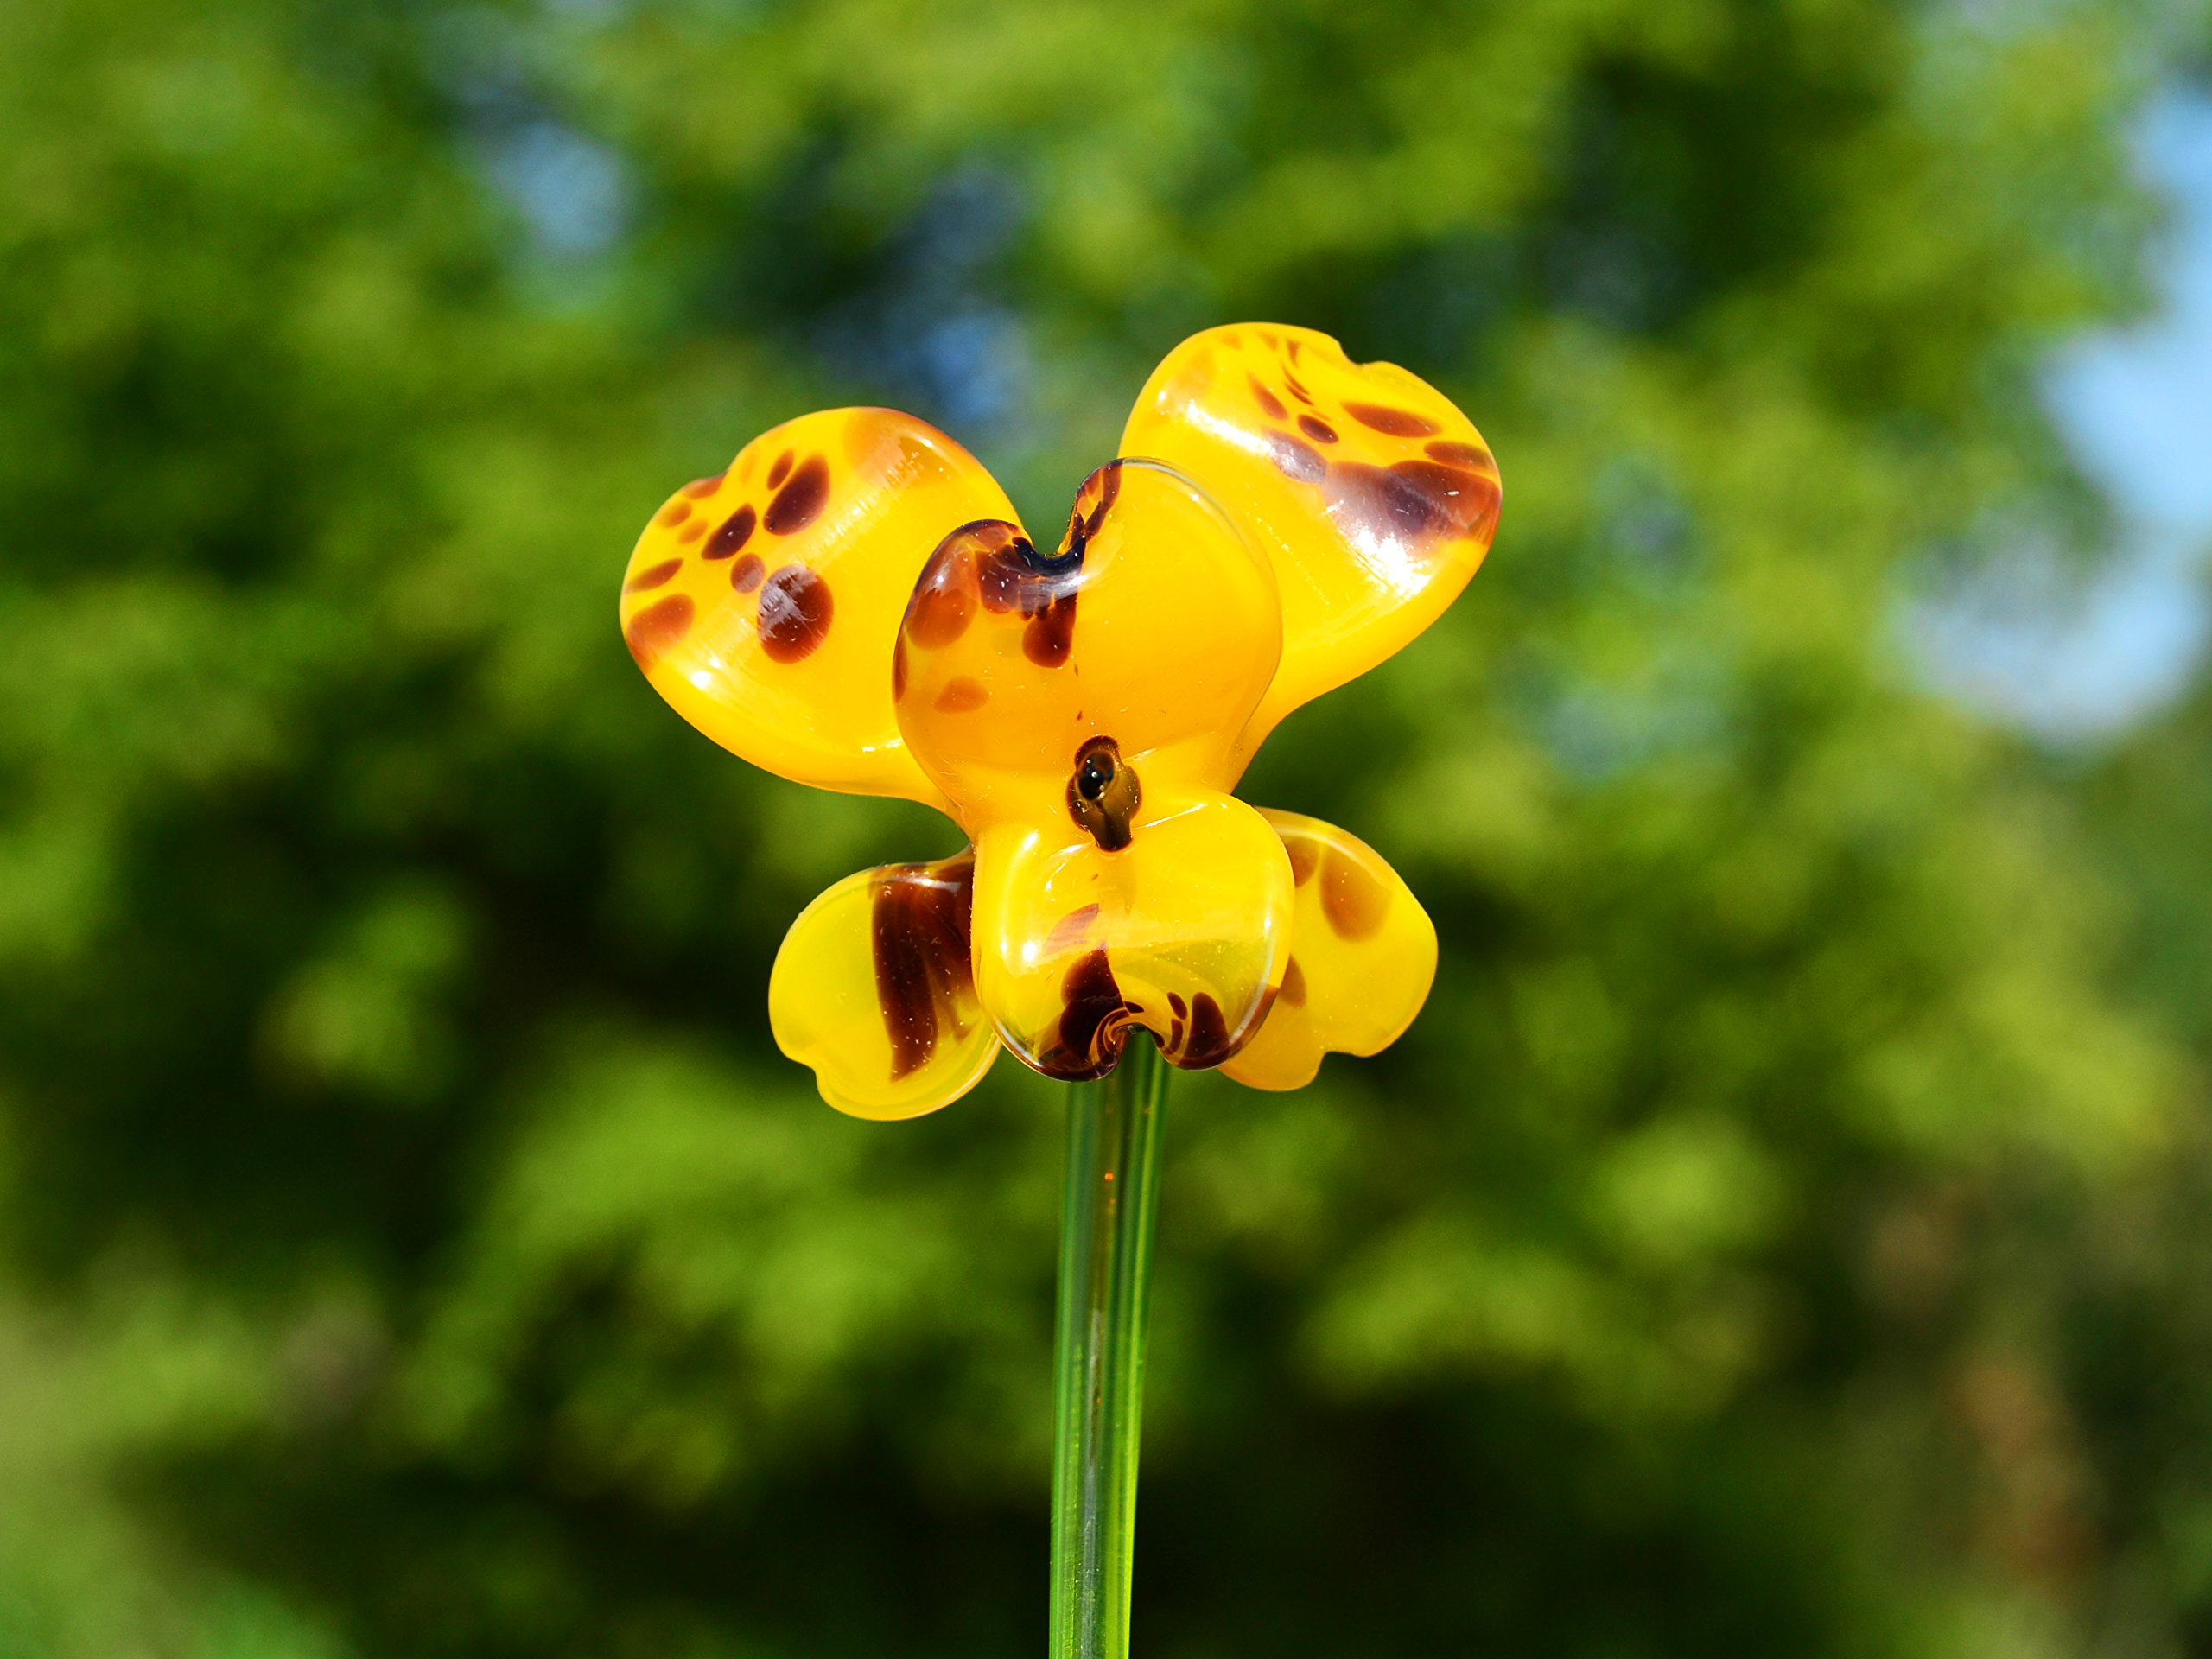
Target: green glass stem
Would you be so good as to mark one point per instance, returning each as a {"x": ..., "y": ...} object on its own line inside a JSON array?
[{"x": 1113, "y": 1187}]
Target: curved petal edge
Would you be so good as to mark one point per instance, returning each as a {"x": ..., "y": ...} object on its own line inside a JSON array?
[
  {"x": 872, "y": 989},
  {"x": 1362, "y": 956},
  {"x": 1184, "y": 931},
  {"x": 763, "y": 602},
  {"x": 1372, "y": 495}
]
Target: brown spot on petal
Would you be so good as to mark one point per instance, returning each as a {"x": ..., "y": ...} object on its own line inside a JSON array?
[
  {"x": 691, "y": 532},
  {"x": 1068, "y": 932},
  {"x": 673, "y": 514},
  {"x": 1317, "y": 428},
  {"x": 1050, "y": 633},
  {"x": 1293, "y": 984},
  {"x": 783, "y": 466},
  {"x": 1398, "y": 422},
  {"x": 1266, "y": 400},
  {"x": 799, "y": 502},
  {"x": 1352, "y": 898},
  {"x": 731, "y": 534},
  {"x": 898, "y": 669},
  {"x": 919, "y": 934},
  {"x": 1093, "y": 1018},
  {"x": 1472, "y": 456},
  {"x": 961, "y": 695},
  {"x": 1208, "y": 1044},
  {"x": 1411, "y": 500},
  {"x": 1296, "y": 459},
  {"x": 1296, "y": 389},
  {"x": 1291, "y": 347},
  {"x": 795, "y": 612},
  {"x": 944, "y": 598},
  {"x": 652, "y": 577},
  {"x": 659, "y": 625},
  {"x": 745, "y": 576},
  {"x": 1305, "y": 857},
  {"x": 703, "y": 487},
  {"x": 1177, "y": 1005}
]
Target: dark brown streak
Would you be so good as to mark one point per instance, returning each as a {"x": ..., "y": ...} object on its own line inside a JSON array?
[
  {"x": 1412, "y": 500},
  {"x": 1398, "y": 422},
  {"x": 1093, "y": 1024},
  {"x": 1016, "y": 577},
  {"x": 654, "y": 577},
  {"x": 1050, "y": 633},
  {"x": 919, "y": 933},
  {"x": 1208, "y": 1044},
  {"x": 1099, "y": 493}
]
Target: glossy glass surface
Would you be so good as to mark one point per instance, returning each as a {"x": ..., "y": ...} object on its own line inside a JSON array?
[
  {"x": 872, "y": 989},
  {"x": 1108, "y": 1205},
  {"x": 853, "y": 604},
  {"x": 1363, "y": 956},
  {"x": 763, "y": 602},
  {"x": 1372, "y": 495}
]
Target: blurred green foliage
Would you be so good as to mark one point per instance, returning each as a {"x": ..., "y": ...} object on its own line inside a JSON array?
[{"x": 1784, "y": 1232}]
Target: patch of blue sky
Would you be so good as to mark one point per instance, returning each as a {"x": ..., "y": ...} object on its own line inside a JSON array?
[
  {"x": 572, "y": 190},
  {"x": 2076, "y": 657}
]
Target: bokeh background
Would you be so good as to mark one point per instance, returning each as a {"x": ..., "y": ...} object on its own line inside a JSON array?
[{"x": 1788, "y": 1230}]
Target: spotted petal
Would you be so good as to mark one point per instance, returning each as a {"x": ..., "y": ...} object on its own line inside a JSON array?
[
  {"x": 1155, "y": 626},
  {"x": 1079, "y": 708},
  {"x": 763, "y": 602},
  {"x": 1184, "y": 931},
  {"x": 872, "y": 989},
  {"x": 1363, "y": 954},
  {"x": 1373, "y": 496}
]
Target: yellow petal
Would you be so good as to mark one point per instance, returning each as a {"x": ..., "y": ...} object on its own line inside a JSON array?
[
  {"x": 1363, "y": 954},
  {"x": 872, "y": 989},
  {"x": 764, "y": 602},
  {"x": 1184, "y": 931},
  {"x": 1079, "y": 710},
  {"x": 1374, "y": 496},
  {"x": 1155, "y": 625}
]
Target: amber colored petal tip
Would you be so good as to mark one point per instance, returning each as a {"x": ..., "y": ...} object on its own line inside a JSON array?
[{"x": 1362, "y": 956}]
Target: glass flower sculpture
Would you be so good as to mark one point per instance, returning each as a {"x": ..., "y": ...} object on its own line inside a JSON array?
[{"x": 853, "y": 604}]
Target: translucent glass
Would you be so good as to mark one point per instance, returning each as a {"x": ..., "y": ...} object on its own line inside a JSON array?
[{"x": 1106, "y": 1226}]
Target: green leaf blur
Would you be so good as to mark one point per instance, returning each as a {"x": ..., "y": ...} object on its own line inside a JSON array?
[{"x": 1782, "y": 1233}]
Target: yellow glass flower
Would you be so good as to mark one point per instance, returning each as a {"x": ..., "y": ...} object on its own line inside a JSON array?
[{"x": 853, "y": 604}]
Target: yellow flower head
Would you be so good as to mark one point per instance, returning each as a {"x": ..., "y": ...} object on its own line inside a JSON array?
[{"x": 853, "y": 604}]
